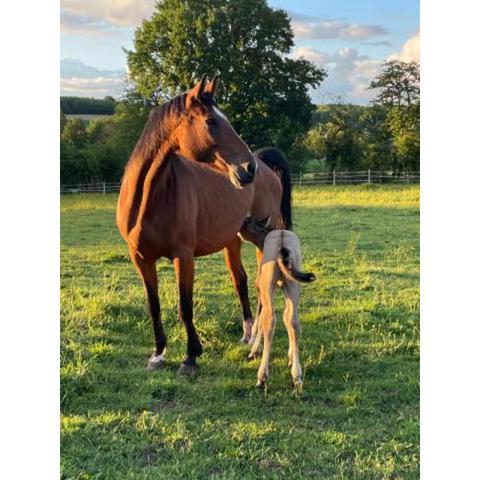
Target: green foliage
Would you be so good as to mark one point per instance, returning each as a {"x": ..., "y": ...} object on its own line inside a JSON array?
[
  {"x": 72, "y": 105},
  {"x": 264, "y": 93},
  {"x": 74, "y": 132},
  {"x": 398, "y": 82},
  {"x": 404, "y": 124},
  {"x": 63, "y": 121},
  {"x": 358, "y": 416},
  {"x": 99, "y": 151}
]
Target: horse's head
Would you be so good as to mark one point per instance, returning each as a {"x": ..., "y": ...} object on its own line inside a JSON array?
[{"x": 206, "y": 135}]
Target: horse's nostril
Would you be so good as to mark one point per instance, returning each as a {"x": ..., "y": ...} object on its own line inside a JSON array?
[{"x": 251, "y": 169}]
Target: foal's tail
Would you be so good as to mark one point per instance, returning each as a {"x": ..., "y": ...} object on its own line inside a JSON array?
[
  {"x": 276, "y": 161},
  {"x": 288, "y": 268}
]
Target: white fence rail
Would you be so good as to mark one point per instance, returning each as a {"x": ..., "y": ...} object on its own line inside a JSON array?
[{"x": 325, "y": 178}]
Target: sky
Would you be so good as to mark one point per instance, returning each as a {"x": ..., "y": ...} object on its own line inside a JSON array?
[{"x": 350, "y": 38}]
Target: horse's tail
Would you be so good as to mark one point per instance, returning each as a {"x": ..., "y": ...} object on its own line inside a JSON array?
[
  {"x": 290, "y": 270},
  {"x": 275, "y": 159}
]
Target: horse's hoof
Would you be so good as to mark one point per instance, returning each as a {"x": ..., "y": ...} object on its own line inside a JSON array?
[
  {"x": 188, "y": 369},
  {"x": 251, "y": 356},
  {"x": 247, "y": 331},
  {"x": 155, "y": 362}
]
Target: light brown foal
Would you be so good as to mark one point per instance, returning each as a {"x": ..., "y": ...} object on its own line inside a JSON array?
[{"x": 281, "y": 262}]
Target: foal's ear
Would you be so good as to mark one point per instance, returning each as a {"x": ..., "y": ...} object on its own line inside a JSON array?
[
  {"x": 195, "y": 92},
  {"x": 266, "y": 221},
  {"x": 211, "y": 86}
]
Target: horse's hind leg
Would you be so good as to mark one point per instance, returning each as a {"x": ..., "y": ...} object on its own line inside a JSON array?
[
  {"x": 240, "y": 283},
  {"x": 184, "y": 269},
  {"x": 148, "y": 272}
]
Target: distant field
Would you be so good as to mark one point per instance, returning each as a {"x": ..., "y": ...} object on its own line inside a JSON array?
[
  {"x": 358, "y": 417},
  {"x": 86, "y": 116}
]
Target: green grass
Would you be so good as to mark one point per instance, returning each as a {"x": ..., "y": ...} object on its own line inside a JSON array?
[{"x": 358, "y": 416}]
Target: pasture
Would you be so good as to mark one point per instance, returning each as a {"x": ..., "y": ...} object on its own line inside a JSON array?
[{"x": 358, "y": 416}]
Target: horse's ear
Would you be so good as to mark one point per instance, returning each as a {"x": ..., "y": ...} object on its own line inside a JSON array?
[
  {"x": 196, "y": 91},
  {"x": 212, "y": 86}
]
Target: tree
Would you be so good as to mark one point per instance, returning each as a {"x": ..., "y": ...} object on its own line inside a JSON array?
[
  {"x": 335, "y": 138},
  {"x": 74, "y": 132},
  {"x": 63, "y": 121},
  {"x": 264, "y": 94},
  {"x": 404, "y": 125},
  {"x": 399, "y": 84}
]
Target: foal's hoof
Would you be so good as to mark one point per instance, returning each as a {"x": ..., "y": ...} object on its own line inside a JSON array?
[
  {"x": 188, "y": 369},
  {"x": 251, "y": 356},
  {"x": 155, "y": 362},
  {"x": 297, "y": 385},
  {"x": 261, "y": 385}
]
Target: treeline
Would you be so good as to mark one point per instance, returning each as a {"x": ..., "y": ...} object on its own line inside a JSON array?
[
  {"x": 349, "y": 137},
  {"x": 94, "y": 106},
  {"x": 97, "y": 150}
]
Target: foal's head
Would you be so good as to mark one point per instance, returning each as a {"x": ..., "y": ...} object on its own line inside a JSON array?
[
  {"x": 205, "y": 135},
  {"x": 255, "y": 230}
]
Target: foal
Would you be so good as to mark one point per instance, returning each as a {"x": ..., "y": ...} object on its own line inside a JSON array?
[{"x": 281, "y": 263}]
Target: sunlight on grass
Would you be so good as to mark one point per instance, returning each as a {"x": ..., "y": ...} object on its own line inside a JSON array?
[{"x": 357, "y": 416}]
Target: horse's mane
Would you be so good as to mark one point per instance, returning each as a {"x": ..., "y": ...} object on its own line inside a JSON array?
[{"x": 160, "y": 123}]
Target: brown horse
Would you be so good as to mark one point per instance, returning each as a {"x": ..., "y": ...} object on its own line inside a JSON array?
[{"x": 180, "y": 209}]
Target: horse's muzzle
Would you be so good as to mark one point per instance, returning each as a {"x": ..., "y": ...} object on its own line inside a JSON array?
[{"x": 243, "y": 174}]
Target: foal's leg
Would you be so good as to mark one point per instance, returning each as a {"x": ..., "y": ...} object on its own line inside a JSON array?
[
  {"x": 256, "y": 330},
  {"x": 184, "y": 270},
  {"x": 148, "y": 273},
  {"x": 240, "y": 283},
  {"x": 268, "y": 327},
  {"x": 292, "y": 324}
]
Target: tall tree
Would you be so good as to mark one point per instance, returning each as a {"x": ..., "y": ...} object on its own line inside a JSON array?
[
  {"x": 265, "y": 93},
  {"x": 74, "y": 132},
  {"x": 398, "y": 84}
]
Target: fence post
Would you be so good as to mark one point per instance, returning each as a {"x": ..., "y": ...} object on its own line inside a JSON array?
[
  {"x": 333, "y": 177},
  {"x": 104, "y": 190},
  {"x": 300, "y": 179},
  {"x": 369, "y": 176}
]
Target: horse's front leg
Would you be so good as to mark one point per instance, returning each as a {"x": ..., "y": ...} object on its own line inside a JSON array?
[
  {"x": 184, "y": 269},
  {"x": 240, "y": 283}
]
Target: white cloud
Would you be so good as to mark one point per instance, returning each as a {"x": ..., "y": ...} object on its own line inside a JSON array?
[
  {"x": 349, "y": 73},
  {"x": 82, "y": 80},
  {"x": 312, "y": 54},
  {"x": 410, "y": 50},
  {"x": 103, "y": 17},
  {"x": 90, "y": 87},
  {"x": 305, "y": 26}
]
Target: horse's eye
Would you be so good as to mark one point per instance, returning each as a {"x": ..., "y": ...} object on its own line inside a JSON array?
[{"x": 211, "y": 122}]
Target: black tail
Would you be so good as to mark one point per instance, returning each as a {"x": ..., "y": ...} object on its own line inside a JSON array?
[
  {"x": 289, "y": 270},
  {"x": 275, "y": 159}
]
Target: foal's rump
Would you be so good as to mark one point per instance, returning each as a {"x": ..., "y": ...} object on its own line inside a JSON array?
[{"x": 287, "y": 266}]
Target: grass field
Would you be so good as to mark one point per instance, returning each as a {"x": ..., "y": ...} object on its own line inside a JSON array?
[{"x": 357, "y": 417}]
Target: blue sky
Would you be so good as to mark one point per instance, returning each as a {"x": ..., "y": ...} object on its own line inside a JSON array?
[{"x": 350, "y": 38}]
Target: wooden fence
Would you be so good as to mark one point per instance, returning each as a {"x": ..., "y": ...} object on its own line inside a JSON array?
[{"x": 324, "y": 178}]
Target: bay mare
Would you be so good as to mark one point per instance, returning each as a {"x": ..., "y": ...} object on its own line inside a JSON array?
[{"x": 187, "y": 188}]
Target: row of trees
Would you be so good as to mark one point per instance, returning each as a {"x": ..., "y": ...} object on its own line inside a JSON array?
[
  {"x": 382, "y": 136},
  {"x": 263, "y": 91},
  {"x": 95, "y": 106}
]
